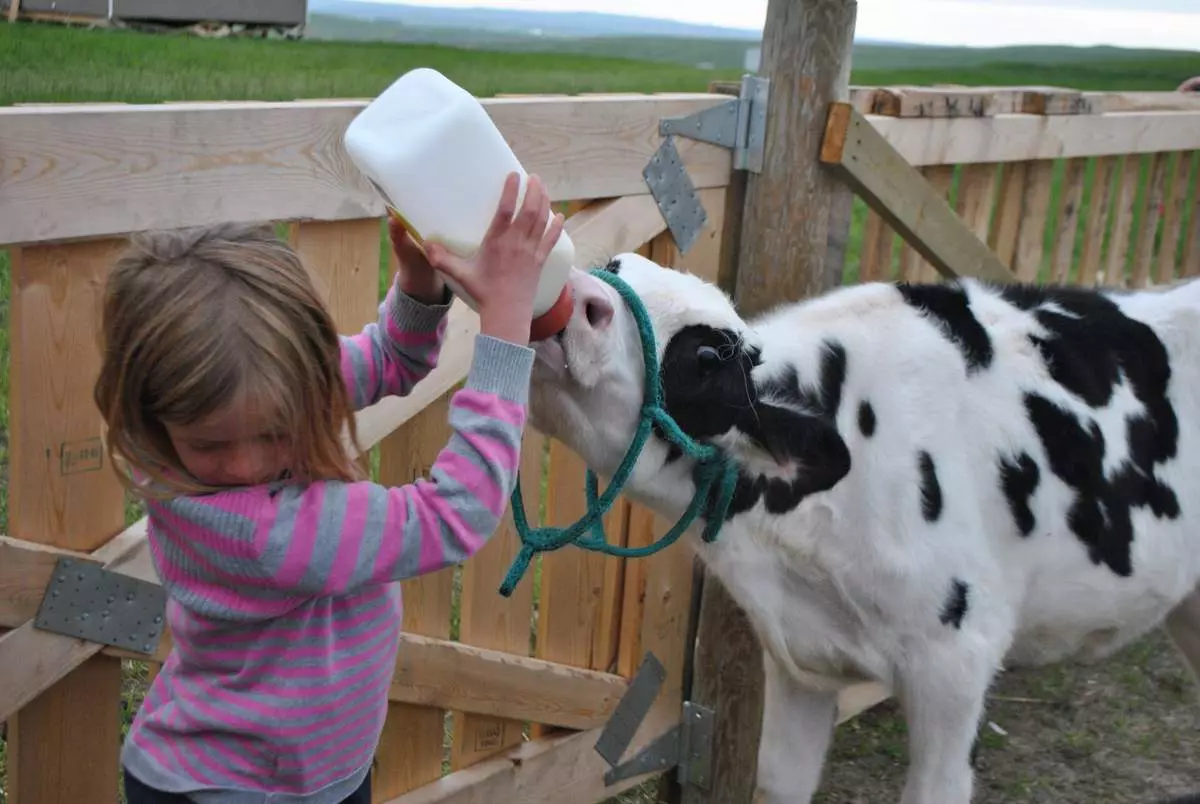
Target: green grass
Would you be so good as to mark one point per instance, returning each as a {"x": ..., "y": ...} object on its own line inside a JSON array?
[{"x": 52, "y": 64}]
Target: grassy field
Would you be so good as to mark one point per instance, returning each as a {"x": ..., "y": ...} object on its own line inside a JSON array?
[{"x": 1119, "y": 733}]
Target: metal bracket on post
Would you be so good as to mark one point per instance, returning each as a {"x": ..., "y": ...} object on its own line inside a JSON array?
[
  {"x": 687, "y": 746},
  {"x": 86, "y": 601},
  {"x": 739, "y": 124}
]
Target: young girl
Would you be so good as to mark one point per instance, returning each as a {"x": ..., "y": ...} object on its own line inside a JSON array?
[{"x": 226, "y": 389}]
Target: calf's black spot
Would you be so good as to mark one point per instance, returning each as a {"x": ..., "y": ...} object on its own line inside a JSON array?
[
  {"x": 931, "y": 490},
  {"x": 1019, "y": 479},
  {"x": 948, "y": 306},
  {"x": 955, "y": 606},
  {"x": 708, "y": 397},
  {"x": 1090, "y": 347},
  {"x": 866, "y": 419}
]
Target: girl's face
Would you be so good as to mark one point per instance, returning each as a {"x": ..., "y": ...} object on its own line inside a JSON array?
[{"x": 240, "y": 444}]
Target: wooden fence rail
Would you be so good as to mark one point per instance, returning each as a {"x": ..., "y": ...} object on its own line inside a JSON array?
[{"x": 492, "y": 699}]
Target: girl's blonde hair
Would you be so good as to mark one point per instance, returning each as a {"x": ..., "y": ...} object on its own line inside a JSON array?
[{"x": 196, "y": 318}]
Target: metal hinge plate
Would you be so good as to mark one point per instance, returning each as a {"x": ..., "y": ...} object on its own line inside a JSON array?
[
  {"x": 86, "y": 601},
  {"x": 739, "y": 124},
  {"x": 687, "y": 746}
]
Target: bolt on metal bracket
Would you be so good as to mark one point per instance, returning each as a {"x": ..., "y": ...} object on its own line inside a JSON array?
[
  {"x": 687, "y": 746},
  {"x": 86, "y": 601}
]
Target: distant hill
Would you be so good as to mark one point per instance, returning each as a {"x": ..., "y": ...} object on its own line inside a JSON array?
[
  {"x": 712, "y": 48},
  {"x": 531, "y": 23}
]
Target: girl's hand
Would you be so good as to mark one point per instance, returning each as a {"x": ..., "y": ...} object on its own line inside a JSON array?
[
  {"x": 417, "y": 278},
  {"x": 503, "y": 275}
]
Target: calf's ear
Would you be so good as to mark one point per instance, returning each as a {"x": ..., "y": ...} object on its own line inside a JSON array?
[{"x": 804, "y": 445}]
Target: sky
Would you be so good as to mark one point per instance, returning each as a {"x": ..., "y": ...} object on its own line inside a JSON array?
[{"x": 1172, "y": 24}]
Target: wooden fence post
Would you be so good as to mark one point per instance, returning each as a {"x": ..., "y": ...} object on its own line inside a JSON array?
[{"x": 783, "y": 254}]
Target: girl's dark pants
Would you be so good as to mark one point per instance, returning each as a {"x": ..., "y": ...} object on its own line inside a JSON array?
[{"x": 138, "y": 793}]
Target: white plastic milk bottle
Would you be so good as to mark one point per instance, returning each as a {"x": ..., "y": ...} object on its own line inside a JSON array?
[{"x": 433, "y": 153}]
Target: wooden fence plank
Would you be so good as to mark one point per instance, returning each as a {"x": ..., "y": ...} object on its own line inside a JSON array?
[
  {"x": 1024, "y": 137},
  {"x": 1147, "y": 234},
  {"x": 1173, "y": 218},
  {"x": 1118, "y": 250},
  {"x": 976, "y": 200},
  {"x": 1191, "y": 245},
  {"x": 914, "y": 267},
  {"x": 1007, "y": 224},
  {"x": 876, "y": 232},
  {"x": 90, "y": 171},
  {"x": 555, "y": 769},
  {"x": 1031, "y": 231},
  {"x": 62, "y": 492},
  {"x": 1099, "y": 205},
  {"x": 1067, "y": 221}
]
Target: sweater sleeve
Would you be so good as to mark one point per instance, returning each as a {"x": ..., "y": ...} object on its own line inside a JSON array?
[
  {"x": 395, "y": 352},
  {"x": 330, "y": 538}
]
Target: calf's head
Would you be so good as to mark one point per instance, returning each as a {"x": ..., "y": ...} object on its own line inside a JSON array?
[{"x": 721, "y": 385}]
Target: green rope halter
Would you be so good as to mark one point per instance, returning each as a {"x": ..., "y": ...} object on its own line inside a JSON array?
[{"x": 715, "y": 474}]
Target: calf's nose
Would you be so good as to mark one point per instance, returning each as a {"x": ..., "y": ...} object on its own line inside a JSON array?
[{"x": 593, "y": 305}]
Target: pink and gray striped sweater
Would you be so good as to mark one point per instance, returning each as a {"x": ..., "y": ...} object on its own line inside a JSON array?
[{"x": 283, "y": 601}]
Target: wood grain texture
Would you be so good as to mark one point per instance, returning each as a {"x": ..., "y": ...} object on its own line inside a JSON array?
[
  {"x": 1118, "y": 250},
  {"x": 1100, "y": 201},
  {"x": 1147, "y": 233},
  {"x": 976, "y": 199},
  {"x": 1173, "y": 218},
  {"x": 1022, "y": 137},
  {"x": 90, "y": 170},
  {"x": 63, "y": 747},
  {"x": 1031, "y": 234},
  {"x": 62, "y": 492},
  {"x": 343, "y": 259},
  {"x": 914, "y": 267},
  {"x": 785, "y": 227},
  {"x": 501, "y": 684},
  {"x": 25, "y": 569},
  {"x": 548, "y": 771},
  {"x": 1191, "y": 242},
  {"x": 1067, "y": 217},
  {"x": 1006, "y": 226}
]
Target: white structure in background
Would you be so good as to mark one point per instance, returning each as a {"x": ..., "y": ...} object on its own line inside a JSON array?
[{"x": 753, "y": 57}]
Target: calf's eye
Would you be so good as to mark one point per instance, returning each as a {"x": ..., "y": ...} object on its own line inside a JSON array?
[{"x": 708, "y": 357}]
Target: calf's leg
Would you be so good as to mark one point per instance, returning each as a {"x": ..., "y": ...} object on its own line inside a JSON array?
[
  {"x": 941, "y": 689},
  {"x": 797, "y": 728},
  {"x": 1183, "y": 625}
]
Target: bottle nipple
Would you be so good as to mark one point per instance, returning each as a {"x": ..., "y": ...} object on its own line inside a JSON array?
[{"x": 554, "y": 320}]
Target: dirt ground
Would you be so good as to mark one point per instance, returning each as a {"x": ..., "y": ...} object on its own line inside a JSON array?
[{"x": 1126, "y": 731}]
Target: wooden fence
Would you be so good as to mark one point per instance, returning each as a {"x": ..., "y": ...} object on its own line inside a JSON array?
[{"x": 493, "y": 699}]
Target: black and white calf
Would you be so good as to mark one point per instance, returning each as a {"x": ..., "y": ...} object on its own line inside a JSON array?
[{"x": 936, "y": 482}]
